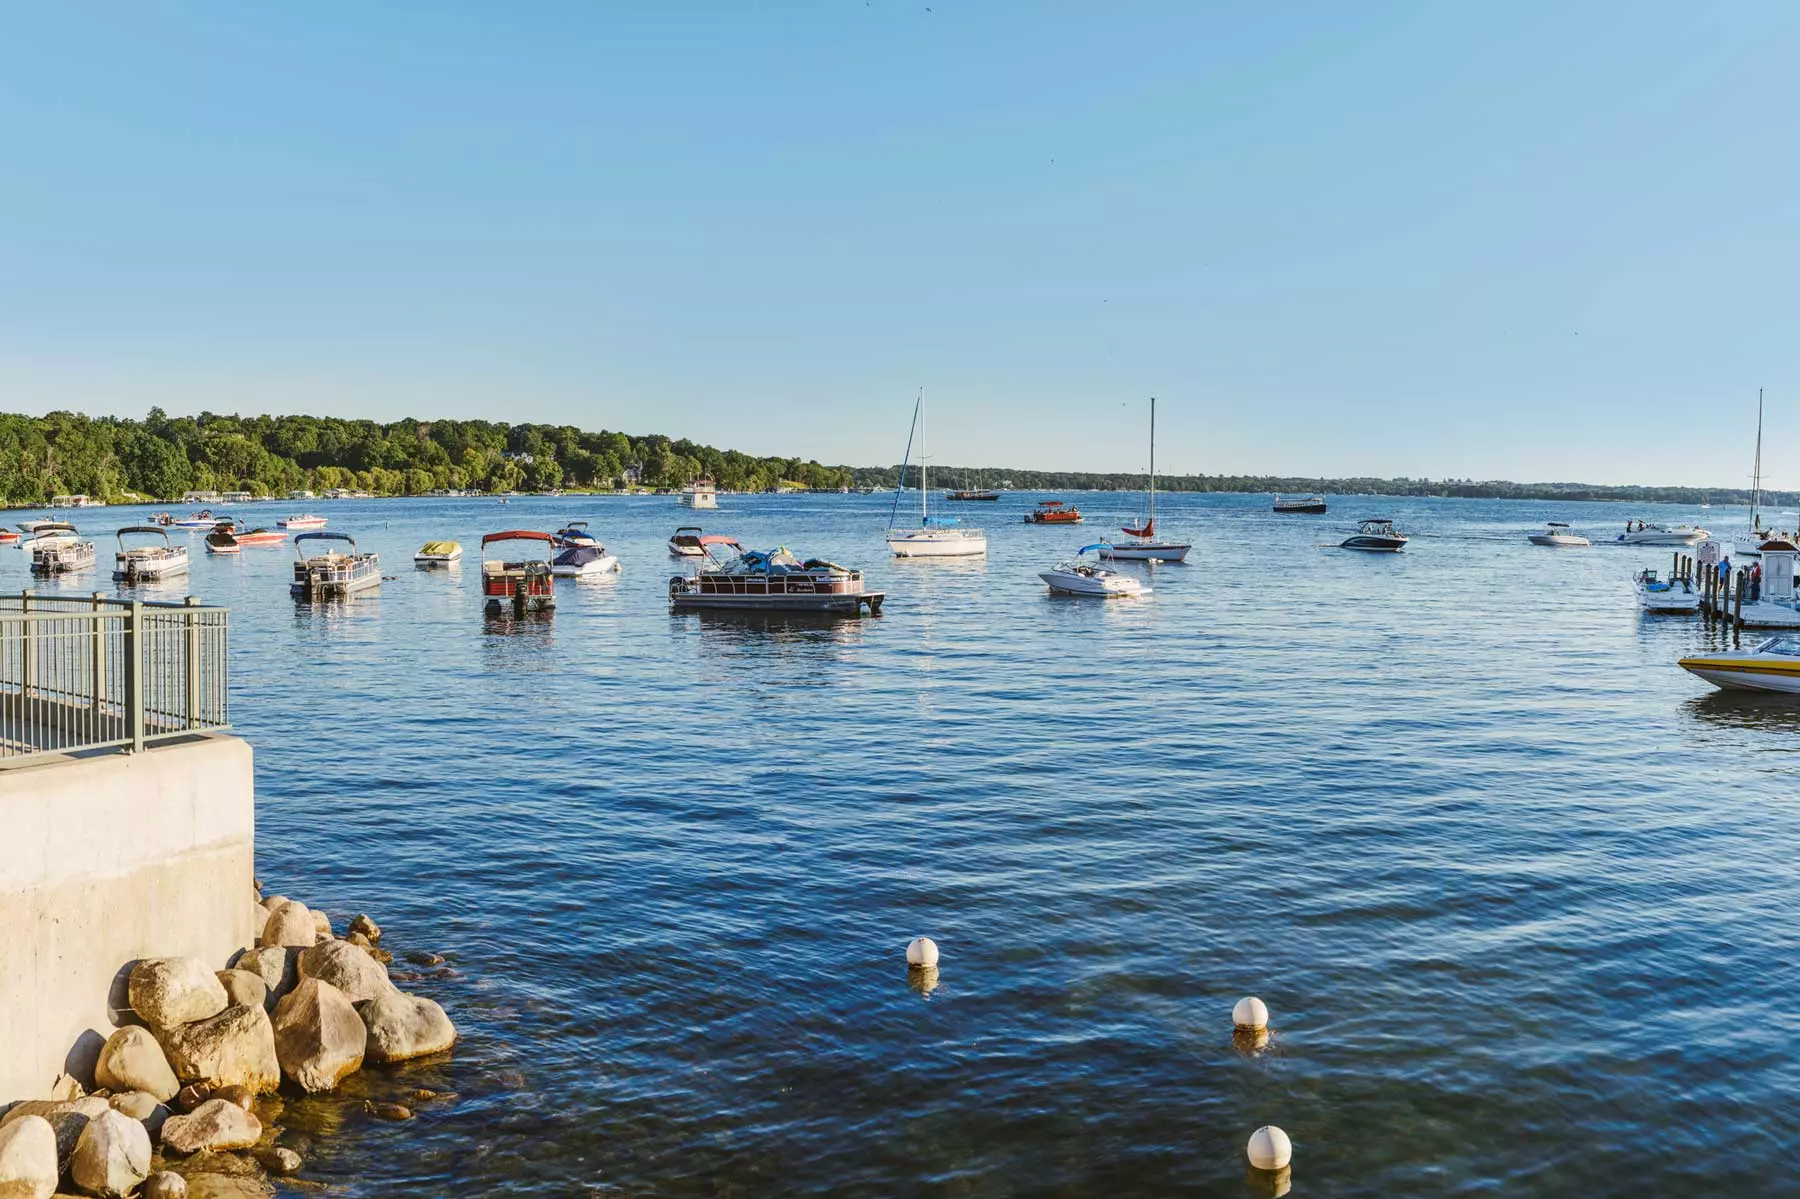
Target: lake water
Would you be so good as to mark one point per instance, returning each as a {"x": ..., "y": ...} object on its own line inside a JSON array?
[{"x": 1522, "y": 897}]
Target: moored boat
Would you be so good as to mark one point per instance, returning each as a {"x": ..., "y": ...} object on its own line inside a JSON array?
[
  {"x": 701, "y": 494},
  {"x": 976, "y": 496},
  {"x": 1144, "y": 545},
  {"x": 1312, "y": 504},
  {"x": 332, "y": 573},
  {"x": 301, "y": 522},
  {"x": 1053, "y": 512},
  {"x": 203, "y": 519},
  {"x": 935, "y": 536},
  {"x": 1772, "y": 665},
  {"x": 439, "y": 553},
  {"x": 522, "y": 585},
  {"x": 1558, "y": 533},
  {"x": 1673, "y": 596},
  {"x": 772, "y": 581},
  {"x": 1084, "y": 577},
  {"x": 1638, "y": 532},
  {"x": 1376, "y": 534},
  {"x": 57, "y": 548},
  {"x": 149, "y": 562},
  {"x": 685, "y": 542}
]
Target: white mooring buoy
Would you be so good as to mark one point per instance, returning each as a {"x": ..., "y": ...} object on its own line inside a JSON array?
[
  {"x": 1250, "y": 1014},
  {"x": 921, "y": 953},
  {"x": 1269, "y": 1148}
]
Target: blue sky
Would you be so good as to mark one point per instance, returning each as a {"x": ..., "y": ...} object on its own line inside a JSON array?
[{"x": 1535, "y": 241}]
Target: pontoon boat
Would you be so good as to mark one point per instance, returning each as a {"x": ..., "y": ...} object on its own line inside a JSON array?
[
  {"x": 1557, "y": 533},
  {"x": 772, "y": 581},
  {"x": 57, "y": 548},
  {"x": 522, "y": 585},
  {"x": 1053, "y": 512},
  {"x": 701, "y": 494},
  {"x": 1079, "y": 576},
  {"x": 1376, "y": 534},
  {"x": 1312, "y": 504},
  {"x": 148, "y": 563},
  {"x": 332, "y": 574}
]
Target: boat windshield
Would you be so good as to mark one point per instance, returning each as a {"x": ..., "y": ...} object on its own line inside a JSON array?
[{"x": 1787, "y": 645}]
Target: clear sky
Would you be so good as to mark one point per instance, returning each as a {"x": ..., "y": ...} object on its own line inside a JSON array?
[{"x": 1523, "y": 240}]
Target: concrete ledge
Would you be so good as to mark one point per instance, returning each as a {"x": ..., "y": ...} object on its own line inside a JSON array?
[{"x": 107, "y": 859}]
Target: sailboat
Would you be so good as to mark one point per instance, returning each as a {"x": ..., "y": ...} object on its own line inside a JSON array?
[
  {"x": 936, "y": 536},
  {"x": 1143, "y": 546},
  {"x": 1758, "y": 534}
]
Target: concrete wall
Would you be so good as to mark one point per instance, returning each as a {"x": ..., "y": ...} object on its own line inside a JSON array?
[{"x": 104, "y": 860}]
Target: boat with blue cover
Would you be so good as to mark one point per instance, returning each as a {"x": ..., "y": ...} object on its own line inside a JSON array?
[
  {"x": 579, "y": 553},
  {"x": 772, "y": 581}
]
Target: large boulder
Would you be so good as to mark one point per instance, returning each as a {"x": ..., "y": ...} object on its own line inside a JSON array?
[
  {"x": 143, "y": 1107},
  {"x": 165, "y": 1184},
  {"x": 367, "y": 927},
  {"x": 131, "y": 1060},
  {"x": 347, "y": 968},
  {"x": 289, "y": 923},
  {"x": 112, "y": 1157},
  {"x": 214, "y": 1126},
  {"x": 170, "y": 991},
  {"x": 245, "y": 987},
  {"x": 235, "y": 1046},
  {"x": 28, "y": 1161},
  {"x": 404, "y": 1026},
  {"x": 66, "y": 1117},
  {"x": 318, "y": 1036},
  {"x": 278, "y": 967},
  {"x": 322, "y": 925}
]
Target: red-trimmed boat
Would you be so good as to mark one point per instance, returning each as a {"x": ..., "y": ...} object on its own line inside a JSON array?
[
  {"x": 1053, "y": 512},
  {"x": 522, "y": 585},
  {"x": 771, "y": 581}
]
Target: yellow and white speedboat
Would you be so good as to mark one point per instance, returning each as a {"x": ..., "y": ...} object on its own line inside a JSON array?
[{"x": 1772, "y": 666}]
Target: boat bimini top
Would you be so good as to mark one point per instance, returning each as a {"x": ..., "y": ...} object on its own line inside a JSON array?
[
  {"x": 152, "y": 530},
  {"x": 303, "y": 537}
]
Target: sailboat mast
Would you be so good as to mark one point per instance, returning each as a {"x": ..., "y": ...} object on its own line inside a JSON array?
[
  {"x": 1756, "y": 472},
  {"x": 924, "y": 470},
  {"x": 1152, "y": 462}
]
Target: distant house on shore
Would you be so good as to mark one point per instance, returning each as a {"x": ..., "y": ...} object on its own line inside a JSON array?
[{"x": 201, "y": 497}]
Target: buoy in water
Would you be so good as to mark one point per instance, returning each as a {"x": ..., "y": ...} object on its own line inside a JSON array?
[
  {"x": 1250, "y": 1014},
  {"x": 921, "y": 953},
  {"x": 1270, "y": 1149}
]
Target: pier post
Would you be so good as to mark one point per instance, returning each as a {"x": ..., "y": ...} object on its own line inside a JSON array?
[
  {"x": 134, "y": 676},
  {"x": 1737, "y": 611},
  {"x": 97, "y": 647},
  {"x": 192, "y": 628}
]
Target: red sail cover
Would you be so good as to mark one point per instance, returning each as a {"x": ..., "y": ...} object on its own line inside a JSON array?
[{"x": 1148, "y": 530}]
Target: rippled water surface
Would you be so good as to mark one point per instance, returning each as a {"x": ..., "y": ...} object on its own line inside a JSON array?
[{"x": 1520, "y": 894}]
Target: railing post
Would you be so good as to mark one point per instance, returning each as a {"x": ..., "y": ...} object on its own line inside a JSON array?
[
  {"x": 29, "y": 674},
  {"x": 192, "y": 629},
  {"x": 97, "y": 687},
  {"x": 134, "y": 675}
]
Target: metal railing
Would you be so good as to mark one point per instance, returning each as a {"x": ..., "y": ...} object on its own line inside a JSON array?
[{"x": 90, "y": 672}]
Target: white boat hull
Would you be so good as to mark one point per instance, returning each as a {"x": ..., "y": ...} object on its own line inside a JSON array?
[
  {"x": 1062, "y": 582},
  {"x": 599, "y": 566},
  {"x": 437, "y": 559},
  {"x": 148, "y": 571},
  {"x": 1669, "y": 603},
  {"x": 1558, "y": 539},
  {"x": 1744, "y": 675},
  {"x": 1665, "y": 537},
  {"x": 701, "y": 501},
  {"x": 937, "y": 543},
  {"x": 1146, "y": 551}
]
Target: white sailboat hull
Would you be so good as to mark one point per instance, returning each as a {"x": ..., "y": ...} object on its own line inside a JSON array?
[
  {"x": 1665, "y": 537},
  {"x": 937, "y": 543},
  {"x": 1146, "y": 551}
]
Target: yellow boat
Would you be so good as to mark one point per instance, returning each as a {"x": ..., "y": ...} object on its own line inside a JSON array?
[
  {"x": 438, "y": 553},
  {"x": 1773, "y": 665}
]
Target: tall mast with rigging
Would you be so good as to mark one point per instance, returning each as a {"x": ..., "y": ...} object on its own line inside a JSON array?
[{"x": 1756, "y": 471}]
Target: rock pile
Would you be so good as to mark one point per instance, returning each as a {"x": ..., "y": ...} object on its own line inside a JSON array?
[{"x": 301, "y": 1009}]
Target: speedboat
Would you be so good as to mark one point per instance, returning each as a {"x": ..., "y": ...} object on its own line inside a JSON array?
[
  {"x": 199, "y": 520},
  {"x": 438, "y": 553},
  {"x": 521, "y": 585},
  {"x": 301, "y": 522},
  {"x": 1053, "y": 512},
  {"x": 575, "y": 533},
  {"x": 148, "y": 563},
  {"x": 772, "y": 581},
  {"x": 578, "y": 559},
  {"x": 57, "y": 548},
  {"x": 936, "y": 536},
  {"x": 228, "y": 537},
  {"x": 1311, "y": 504},
  {"x": 1641, "y": 533},
  {"x": 1143, "y": 546},
  {"x": 1774, "y": 665},
  {"x": 686, "y": 543},
  {"x": 1376, "y": 534},
  {"x": 1080, "y": 576},
  {"x": 1557, "y": 533},
  {"x": 332, "y": 574},
  {"x": 1674, "y": 596}
]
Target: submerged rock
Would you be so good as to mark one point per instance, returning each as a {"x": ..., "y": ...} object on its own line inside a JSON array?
[
  {"x": 245, "y": 987},
  {"x": 389, "y": 1111},
  {"x": 319, "y": 1038},
  {"x": 165, "y": 1184},
  {"x": 170, "y": 991},
  {"x": 290, "y": 923},
  {"x": 29, "y": 1164},
  {"x": 404, "y": 1026},
  {"x": 214, "y": 1126},
  {"x": 112, "y": 1157},
  {"x": 278, "y": 967},
  {"x": 239, "y": 1095},
  {"x": 131, "y": 1060},
  {"x": 235, "y": 1046},
  {"x": 277, "y": 1160},
  {"x": 347, "y": 968}
]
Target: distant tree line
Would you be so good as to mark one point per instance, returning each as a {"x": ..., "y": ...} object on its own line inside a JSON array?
[
  {"x": 162, "y": 456},
  {"x": 960, "y": 477}
]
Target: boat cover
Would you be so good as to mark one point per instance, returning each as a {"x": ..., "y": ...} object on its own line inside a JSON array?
[{"x": 439, "y": 547}]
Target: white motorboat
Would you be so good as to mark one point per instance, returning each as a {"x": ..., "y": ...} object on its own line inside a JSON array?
[
  {"x": 579, "y": 553},
  {"x": 1144, "y": 545},
  {"x": 1377, "y": 534},
  {"x": 1081, "y": 576},
  {"x": 1773, "y": 665},
  {"x": 300, "y": 522},
  {"x": 199, "y": 520},
  {"x": 936, "y": 536},
  {"x": 1558, "y": 533},
  {"x": 150, "y": 562},
  {"x": 685, "y": 542},
  {"x": 701, "y": 494},
  {"x": 1674, "y": 596},
  {"x": 57, "y": 548},
  {"x": 438, "y": 553},
  {"x": 1639, "y": 532}
]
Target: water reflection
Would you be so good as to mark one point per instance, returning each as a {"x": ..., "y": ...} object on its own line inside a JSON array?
[
  {"x": 1756, "y": 711},
  {"x": 923, "y": 980}
]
